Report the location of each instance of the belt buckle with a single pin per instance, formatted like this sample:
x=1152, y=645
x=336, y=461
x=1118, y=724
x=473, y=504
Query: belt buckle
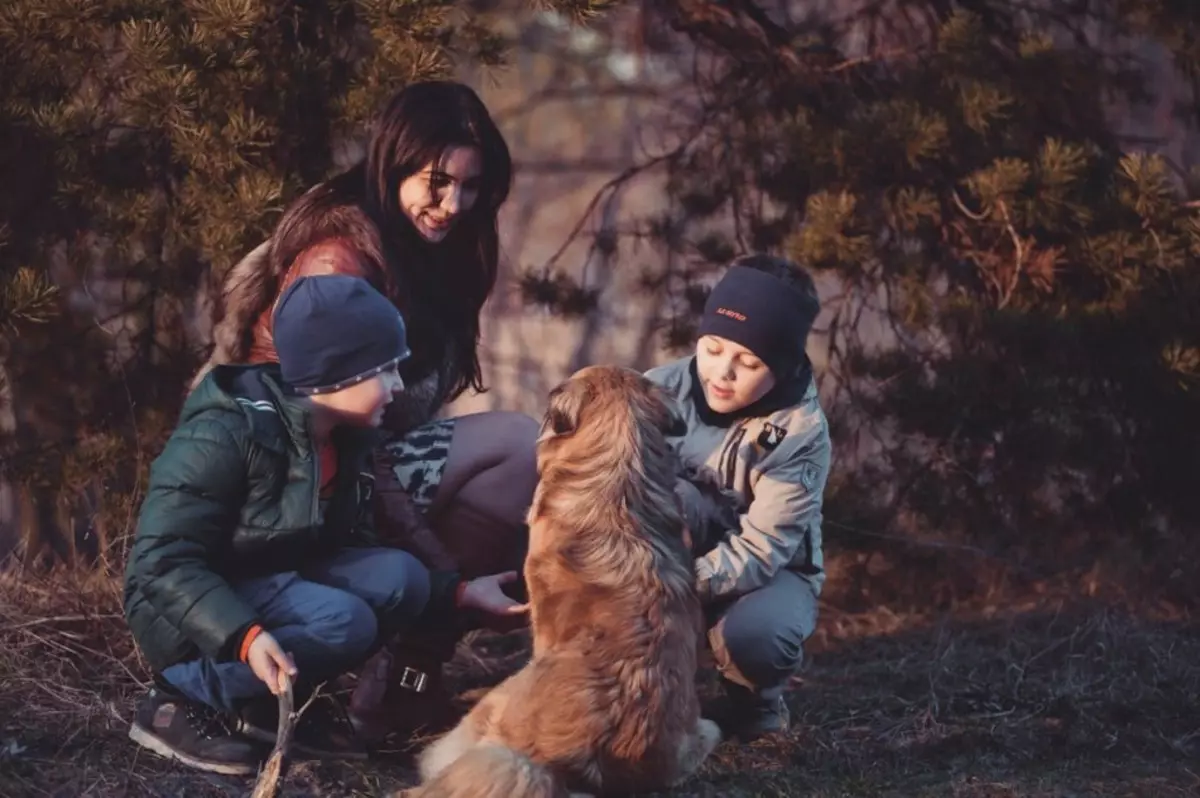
x=413, y=679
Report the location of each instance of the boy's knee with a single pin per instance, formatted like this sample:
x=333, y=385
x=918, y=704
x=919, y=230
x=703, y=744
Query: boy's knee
x=760, y=649
x=406, y=582
x=347, y=625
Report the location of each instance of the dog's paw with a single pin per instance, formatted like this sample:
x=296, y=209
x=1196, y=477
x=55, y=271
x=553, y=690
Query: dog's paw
x=710, y=734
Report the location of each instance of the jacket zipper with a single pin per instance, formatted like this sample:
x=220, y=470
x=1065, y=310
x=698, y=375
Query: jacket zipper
x=315, y=518
x=730, y=453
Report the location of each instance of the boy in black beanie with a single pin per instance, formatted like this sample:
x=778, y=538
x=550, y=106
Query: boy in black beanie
x=254, y=555
x=757, y=456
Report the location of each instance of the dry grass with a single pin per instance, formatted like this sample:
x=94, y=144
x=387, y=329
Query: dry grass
x=1048, y=699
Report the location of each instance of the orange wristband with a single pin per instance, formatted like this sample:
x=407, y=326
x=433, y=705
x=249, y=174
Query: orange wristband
x=458, y=593
x=251, y=633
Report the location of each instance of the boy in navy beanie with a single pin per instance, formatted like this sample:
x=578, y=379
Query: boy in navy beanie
x=756, y=455
x=255, y=556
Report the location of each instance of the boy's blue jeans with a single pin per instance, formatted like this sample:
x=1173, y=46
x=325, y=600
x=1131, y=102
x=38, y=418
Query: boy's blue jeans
x=758, y=639
x=328, y=617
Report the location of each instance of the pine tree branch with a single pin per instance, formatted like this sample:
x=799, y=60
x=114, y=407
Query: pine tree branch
x=735, y=26
x=869, y=58
x=1019, y=249
x=979, y=217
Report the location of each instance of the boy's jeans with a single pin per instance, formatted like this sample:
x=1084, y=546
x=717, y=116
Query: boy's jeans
x=758, y=638
x=327, y=617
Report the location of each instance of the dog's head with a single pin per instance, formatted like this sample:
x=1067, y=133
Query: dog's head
x=603, y=395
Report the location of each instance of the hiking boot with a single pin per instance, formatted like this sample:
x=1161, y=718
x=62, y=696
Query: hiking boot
x=401, y=692
x=747, y=716
x=323, y=731
x=194, y=733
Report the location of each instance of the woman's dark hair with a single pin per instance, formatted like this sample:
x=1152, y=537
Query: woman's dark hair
x=441, y=288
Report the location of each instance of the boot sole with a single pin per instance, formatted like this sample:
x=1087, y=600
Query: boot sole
x=267, y=737
x=149, y=740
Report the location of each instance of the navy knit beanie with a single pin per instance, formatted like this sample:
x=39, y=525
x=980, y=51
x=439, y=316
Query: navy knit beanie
x=762, y=313
x=333, y=331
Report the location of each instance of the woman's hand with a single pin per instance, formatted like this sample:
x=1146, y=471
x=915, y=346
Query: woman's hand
x=270, y=663
x=485, y=594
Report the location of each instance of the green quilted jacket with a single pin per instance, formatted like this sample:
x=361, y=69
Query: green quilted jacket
x=235, y=494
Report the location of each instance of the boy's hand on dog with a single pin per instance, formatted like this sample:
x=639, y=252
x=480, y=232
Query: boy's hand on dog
x=486, y=593
x=270, y=663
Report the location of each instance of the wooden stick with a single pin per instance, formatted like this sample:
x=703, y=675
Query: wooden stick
x=268, y=780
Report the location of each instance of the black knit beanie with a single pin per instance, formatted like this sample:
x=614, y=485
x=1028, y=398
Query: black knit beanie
x=333, y=331
x=762, y=313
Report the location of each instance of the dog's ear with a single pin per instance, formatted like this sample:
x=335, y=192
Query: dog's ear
x=562, y=410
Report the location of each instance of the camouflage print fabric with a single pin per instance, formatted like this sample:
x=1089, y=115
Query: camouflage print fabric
x=418, y=459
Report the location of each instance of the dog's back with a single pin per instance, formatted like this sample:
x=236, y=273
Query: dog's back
x=609, y=699
x=606, y=531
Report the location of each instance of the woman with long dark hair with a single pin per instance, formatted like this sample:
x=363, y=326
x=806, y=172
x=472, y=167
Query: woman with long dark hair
x=416, y=217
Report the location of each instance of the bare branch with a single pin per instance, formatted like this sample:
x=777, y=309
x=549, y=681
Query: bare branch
x=1019, y=246
x=979, y=217
x=268, y=780
x=603, y=192
x=61, y=619
x=869, y=58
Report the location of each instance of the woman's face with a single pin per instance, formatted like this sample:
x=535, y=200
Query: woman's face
x=438, y=195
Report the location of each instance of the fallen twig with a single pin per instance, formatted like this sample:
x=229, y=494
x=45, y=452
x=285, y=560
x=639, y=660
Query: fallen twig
x=60, y=619
x=267, y=785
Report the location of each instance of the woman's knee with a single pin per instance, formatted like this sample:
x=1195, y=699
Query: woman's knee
x=521, y=429
x=499, y=436
x=492, y=458
x=517, y=439
x=492, y=465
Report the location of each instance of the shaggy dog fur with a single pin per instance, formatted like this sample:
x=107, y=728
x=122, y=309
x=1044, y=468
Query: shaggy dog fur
x=608, y=703
x=492, y=771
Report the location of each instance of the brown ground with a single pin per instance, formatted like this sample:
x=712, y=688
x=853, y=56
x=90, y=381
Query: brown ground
x=1048, y=698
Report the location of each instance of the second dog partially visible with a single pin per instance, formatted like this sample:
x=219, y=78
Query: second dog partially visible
x=608, y=703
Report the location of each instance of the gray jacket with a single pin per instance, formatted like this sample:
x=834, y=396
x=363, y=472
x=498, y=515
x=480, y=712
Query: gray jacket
x=776, y=465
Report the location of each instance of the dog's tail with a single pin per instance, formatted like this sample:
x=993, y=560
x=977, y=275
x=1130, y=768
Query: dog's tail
x=492, y=771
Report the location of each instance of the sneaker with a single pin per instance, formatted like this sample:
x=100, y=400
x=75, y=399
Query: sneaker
x=322, y=732
x=194, y=733
x=746, y=716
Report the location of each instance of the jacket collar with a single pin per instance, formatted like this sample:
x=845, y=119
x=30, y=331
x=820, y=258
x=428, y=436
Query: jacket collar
x=279, y=420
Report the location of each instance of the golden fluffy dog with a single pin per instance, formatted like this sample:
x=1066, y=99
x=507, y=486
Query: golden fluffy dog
x=607, y=704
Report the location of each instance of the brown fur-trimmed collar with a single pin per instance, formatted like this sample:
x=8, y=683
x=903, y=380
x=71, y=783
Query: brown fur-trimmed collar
x=252, y=284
